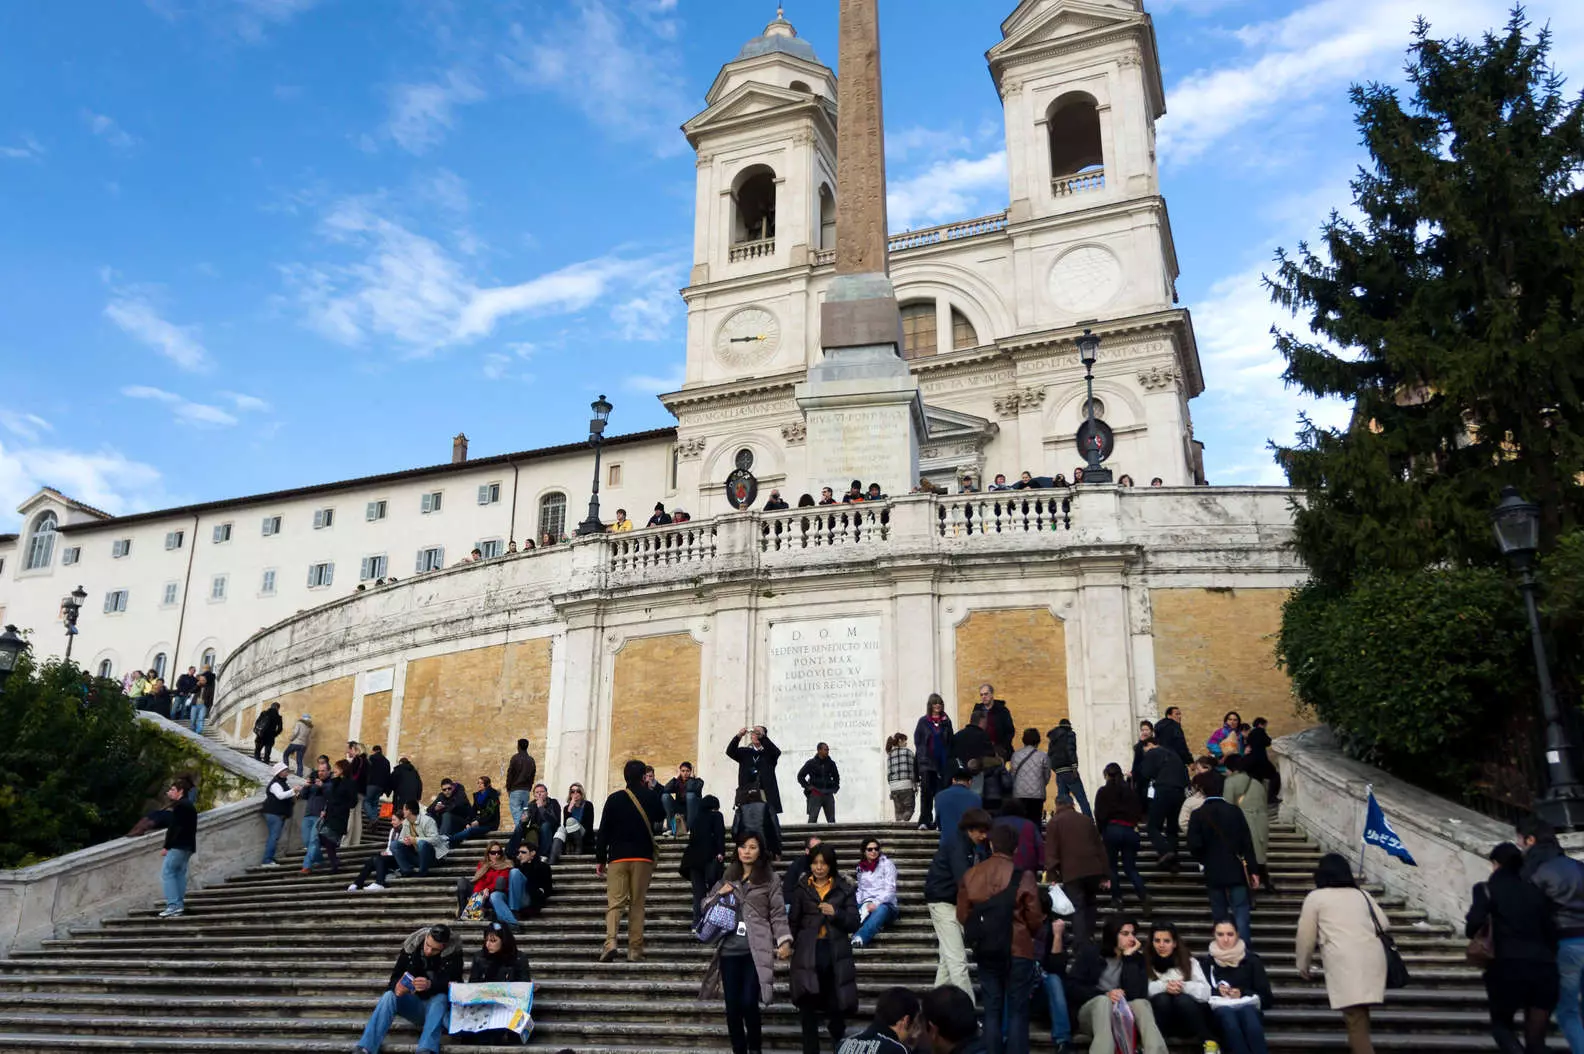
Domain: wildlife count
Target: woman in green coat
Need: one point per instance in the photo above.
(1249, 794)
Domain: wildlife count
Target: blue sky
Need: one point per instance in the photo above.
(251, 244)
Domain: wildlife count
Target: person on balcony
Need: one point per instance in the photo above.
(874, 493)
(775, 504)
(827, 497)
(1000, 482)
(855, 492)
(622, 522)
(661, 518)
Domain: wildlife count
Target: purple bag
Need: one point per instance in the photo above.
(1124, 1030)
(719, 920)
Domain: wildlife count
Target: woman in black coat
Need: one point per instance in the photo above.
(498, 961)
(824, 916)
(703, 861)
(342, 799)
(1523, 975)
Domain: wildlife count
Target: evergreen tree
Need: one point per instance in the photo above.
(1450, 315)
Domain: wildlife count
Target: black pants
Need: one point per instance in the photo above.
(1182, 1016)
(262, 745)
(703, 878)
(1033, 809)
(379, 865)
(1122, 846)
(1163, 827)
(825, 801)
(929, 786)
(1085, 895)
(740, 986)
(826, 1004)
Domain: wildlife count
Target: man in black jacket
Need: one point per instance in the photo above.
(405, 783)
(377, 770)
(625, 848)
(419, 989)
(528, 888)
(1219, 838)
(1165, 777)
(1063, 755)
(959, 851)
(972, 746)
(186, 688)
(1002, 729)
(895, 1013)
(756, 763)
(820, 781)
(265, 729)
(181, 842)
(1169, 734)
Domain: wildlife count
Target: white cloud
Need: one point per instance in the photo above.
(138, 318)
(948, 190)
(421, 114)
(106, 128)
(907, 142)
(30, 150)
(105, 479)
(24, 425)
(182, 409)
(668, 382)
(246, 403)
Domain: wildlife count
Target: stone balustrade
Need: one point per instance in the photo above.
(1065, 186)
(752, 250)
(946, 232)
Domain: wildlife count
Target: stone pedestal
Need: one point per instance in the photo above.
(865, 417)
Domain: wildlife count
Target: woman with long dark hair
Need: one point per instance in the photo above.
(1337, 918)
(1119, 814)
(498, 961)
(1111, 972)
(1240, 991)
(824, 981)
(1178, 991)
(1522, 976)
(932, 743)
(743, 967)
(1228, 739)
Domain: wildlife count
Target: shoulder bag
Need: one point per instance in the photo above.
(1396, 969)
(1481, 951)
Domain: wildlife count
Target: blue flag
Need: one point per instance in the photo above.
(1378, 832)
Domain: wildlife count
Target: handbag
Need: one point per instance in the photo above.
(722, 918)
(1396, 969)
(1481, 951)
(473, 910)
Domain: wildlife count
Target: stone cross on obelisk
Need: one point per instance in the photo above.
(861, 401)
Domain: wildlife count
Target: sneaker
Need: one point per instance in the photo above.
(923, 827)
(353, 888)
(1212, 1047)
(857, 942)
(305, 871)
(172, 913)
(269, 863)
(373, 887)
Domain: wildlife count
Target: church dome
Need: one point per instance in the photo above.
(778, 38)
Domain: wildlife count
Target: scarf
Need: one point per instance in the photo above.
(1229, 958)
(869, 865)
(937, 742)
(1160, 966)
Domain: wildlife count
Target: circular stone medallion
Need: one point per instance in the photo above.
(1085, 278)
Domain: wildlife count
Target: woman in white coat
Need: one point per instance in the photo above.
(1336, 919)
(1178, 991)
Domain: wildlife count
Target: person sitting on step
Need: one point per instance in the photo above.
(577, 824)
(381, 864)
(486, 813)
(429, 963)
(451, 810)
(896, 1012)
(421, 844)
(492, 875)
(876, 886)
(498, 962)
(528, 887)
(544, 815)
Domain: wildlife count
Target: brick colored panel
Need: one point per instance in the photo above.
(1215, 650)
(463, 712)
(655, 704)
(375, 729)
(1023, 653)
(330, 704)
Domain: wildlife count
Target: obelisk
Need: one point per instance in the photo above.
(861, 401)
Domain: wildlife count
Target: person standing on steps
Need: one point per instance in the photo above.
(1337, 918)
(186, 691)
(1561, 879)
(956, 856)
(901, 777)
(1259, 764)
(823, 918)
(406, 784)
(181, 842)
(681, 796)
(756, 763)
(705, 855)
(1075, 856)
(265, 729)
(279, 801)
(896, 1014)
(932, 744)
(1522, 977)
(624, 855)
(1064, 763)
(997, 893)
(520, 773)
(998, 722)
(1165, 778)
(430, 962)
(314, 794)
(1118, 815)
(1030, 773)
(302, 734)
(205, 701)
(339, 803)
(742, 970)
(377, 772)
(1228, 739)
(820, 780)
(1219, 838)
(1135, 774)
(1248, 794)
(1169, 734)
(973, 748)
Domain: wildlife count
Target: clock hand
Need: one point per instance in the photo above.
(744, 340)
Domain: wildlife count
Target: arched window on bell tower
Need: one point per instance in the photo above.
(754, 195)
(1077, 157)
(827, 202)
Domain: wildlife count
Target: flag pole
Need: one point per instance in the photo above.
(1369, 789)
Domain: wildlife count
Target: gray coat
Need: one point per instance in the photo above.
(764, 909)
(1249, 795)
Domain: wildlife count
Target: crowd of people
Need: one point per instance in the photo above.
(190, 699)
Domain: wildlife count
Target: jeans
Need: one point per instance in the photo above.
(179, 706)
(430, 1015)
(470, 831)
(1242, 1029)
(371, 803)
(274, 824)
(199, 713)
(881, 917)
(1056, 999)
(822, 800)
(1072, 783)
(518, 801)
(409, 858)
(516, 897)
(312, 854)
(953, 968)
(687, 809)
(173, 878)
(299, 749)
(1570, 965)
(1122, 846)
(740, 986)
(1006, 1007)
(1232, 902)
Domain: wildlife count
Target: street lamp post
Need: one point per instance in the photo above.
(1094, 471)
(71, 607)
(1517, 524)
(11, 647)
(602, 409)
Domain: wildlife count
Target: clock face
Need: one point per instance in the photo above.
(750, 337)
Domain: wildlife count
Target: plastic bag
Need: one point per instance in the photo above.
(1059, 902)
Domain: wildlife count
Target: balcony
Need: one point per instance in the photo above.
(1078, 183)
(759, 250)
(946, 232)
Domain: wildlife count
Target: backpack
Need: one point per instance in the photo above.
(262, 725)
(988, 931)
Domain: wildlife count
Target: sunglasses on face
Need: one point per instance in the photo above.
(871, 848)
(494, 852)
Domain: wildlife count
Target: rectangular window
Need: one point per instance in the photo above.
(432, 558)
(222, 533)
(373, 567)
(489, 493)
(492, 548)
(267, 586)
(320, 575)
(613, 475)
(323, 518)
(70, 555)
(121, 547)
(272, 525)
(115, 602)
(430, 502)
(217, 587)
(171, 590)
(375, 511)
(174, 539)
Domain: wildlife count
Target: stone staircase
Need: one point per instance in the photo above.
(278, 961)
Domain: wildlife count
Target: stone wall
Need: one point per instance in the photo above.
(330, 705)
(655, 706)
(1023, 653)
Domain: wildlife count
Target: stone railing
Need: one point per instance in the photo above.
(689, 544)
(824, 528)
(752, 250)
(966, 517)
(946, 232)
(1064, 186)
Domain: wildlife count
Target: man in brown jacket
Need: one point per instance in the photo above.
(520, 773)
(1007, 980)
(1075, 856)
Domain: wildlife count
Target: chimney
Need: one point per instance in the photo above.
(459, 449)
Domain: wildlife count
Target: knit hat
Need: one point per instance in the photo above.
(280, 766)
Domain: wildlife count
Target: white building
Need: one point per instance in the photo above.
(991, 307)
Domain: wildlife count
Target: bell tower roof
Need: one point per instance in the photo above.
(779, 37)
